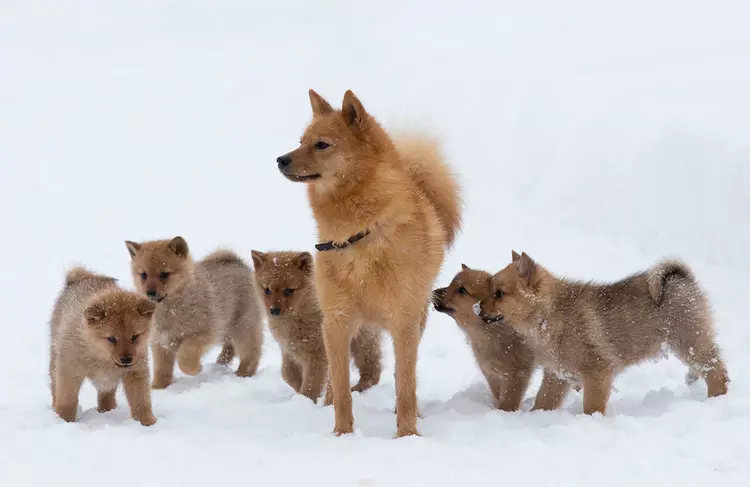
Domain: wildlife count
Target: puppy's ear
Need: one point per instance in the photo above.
(354, 112)
(318, 104)
(465, 267)
(146, 307)
(95, 313)
(133, 248)
(258, 259)
(179, 246)
(514, 255)
(526, 268)
(304, 261)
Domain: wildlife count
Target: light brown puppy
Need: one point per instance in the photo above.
(385, 216)
(199, 305)
(100, 332)
(587, 333)
(286, 280)
(503, 357)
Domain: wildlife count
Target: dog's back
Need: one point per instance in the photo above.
(630, 319)
(233, 288)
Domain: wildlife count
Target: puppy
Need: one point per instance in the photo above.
(587, 332)
(100, 332)
(386, 213)
(295, 321)
(503, 357)
(199, 305)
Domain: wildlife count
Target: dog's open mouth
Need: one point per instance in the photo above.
(442, 308)
(300, 179)
(493, 319)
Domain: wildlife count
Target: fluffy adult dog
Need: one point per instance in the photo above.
(295, 321)
(100, 332)
(587, 332)
(385, 212)
(199, 305)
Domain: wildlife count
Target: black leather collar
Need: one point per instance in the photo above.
(325, 246)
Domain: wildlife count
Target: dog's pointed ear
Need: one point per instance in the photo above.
(526, 268)
(318, 104)
(146, 307)
(179, 246)
(258, 259)
(354, 112)
(304, 261)
(133, 248)
(514, 255)
(95, 313)
(465, 267)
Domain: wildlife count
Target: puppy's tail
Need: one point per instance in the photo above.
(223, 256)
(658, 275)
(77, 274)
(426, 167)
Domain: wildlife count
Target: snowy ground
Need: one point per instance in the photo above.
(596, 138)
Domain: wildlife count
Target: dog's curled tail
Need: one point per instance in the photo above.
(426, 167)
(658, 275)
(77, 274)
(223, 256)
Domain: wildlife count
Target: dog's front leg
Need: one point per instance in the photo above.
(406, 347)
(337, 336)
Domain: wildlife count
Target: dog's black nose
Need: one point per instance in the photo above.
(284, 161)
(151, 294)
(126, 360)
(275, 311)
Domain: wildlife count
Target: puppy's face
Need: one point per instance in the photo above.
(160, 267)
(283, 278)
(117, 325)
(332, 144)
(460, 298)
(514, 294)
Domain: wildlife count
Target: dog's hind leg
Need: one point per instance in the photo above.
(366, 352)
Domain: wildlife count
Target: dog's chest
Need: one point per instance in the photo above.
(104, 380)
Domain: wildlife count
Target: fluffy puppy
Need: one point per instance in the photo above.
(198, 306)
(295, 321)
(588, 332)
(100, 332)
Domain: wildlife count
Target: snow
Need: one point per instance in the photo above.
(596, 137)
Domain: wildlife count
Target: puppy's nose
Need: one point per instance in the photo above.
(126, 360)
(151, 293)
(439, 293)
(284, 161)
(275, 311)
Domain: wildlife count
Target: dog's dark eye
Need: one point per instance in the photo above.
(134, 338)
(462, 290)
(112, 340)
(288, 292)
(164, 276)
(320, 145)
(267, 291)
(499, 294)
(144, 276)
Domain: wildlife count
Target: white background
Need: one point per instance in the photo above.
(598, 138)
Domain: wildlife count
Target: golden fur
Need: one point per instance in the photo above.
(100, 332)
(588, 332)
(294, 318)
(359, 180)
(200, 305)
